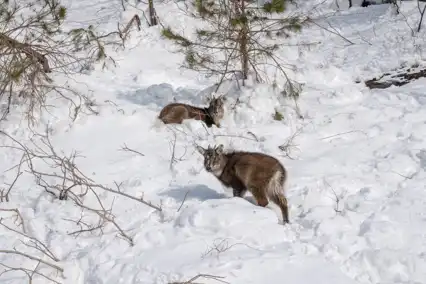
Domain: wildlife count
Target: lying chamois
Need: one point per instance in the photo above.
(177, 112)
(262, 175)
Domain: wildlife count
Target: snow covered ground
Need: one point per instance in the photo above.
(366, 148)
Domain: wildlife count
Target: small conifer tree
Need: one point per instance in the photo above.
(34, 47)
(239, 37)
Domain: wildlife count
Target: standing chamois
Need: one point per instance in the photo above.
(177, 112)
(263, 175)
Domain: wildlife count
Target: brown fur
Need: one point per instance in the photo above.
(177, 112)
(264, 176)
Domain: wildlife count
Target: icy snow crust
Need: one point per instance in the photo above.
(368, 146)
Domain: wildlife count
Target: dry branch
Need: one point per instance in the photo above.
(125, 148)
(173, 158)
(34, 243)
(4, 196)
(153, 17)
(64, 180)
(13, 45)
(105, 216)
(422, 13)
(116, 106)
(337, 198)
(288, 146)
(183, 200)
(236, 136)
(343, 133)
(411, 176)
(206, 276)
(133, 20)
(254, 136)
(29, 272)
(220, 246)
(17, 218)
(16, 252)
(332, 30)
(86, 227)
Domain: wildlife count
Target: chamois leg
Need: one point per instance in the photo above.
(238, 192)
(280, 200)
(260, 197)
(238, 189)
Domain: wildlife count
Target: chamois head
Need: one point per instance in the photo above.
(216, 109)
(214, 159)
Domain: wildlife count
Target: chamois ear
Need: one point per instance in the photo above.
(210, 98)
(222, 97)
(200, 150)
(219, 149)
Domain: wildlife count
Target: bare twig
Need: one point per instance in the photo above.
(173, 146)
(34, 243)
(16, 252)
(125, 148)
(5, 196)
(288, 146)
(28, 272)
(134, 19)
(237, 136)
(183, 201)
(343, 133)
(18, 217)
(119, 192)
(86, 227)
(422, 12)
(206, 276)
(411, 176)
(66, 181)
(337, 198)
(105, 215)
(254, 136)
(222, 245)
(116, 106)
(173, 158)
(333, 31)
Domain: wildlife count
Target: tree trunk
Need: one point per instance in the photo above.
(243, 40)
(244, 52)
(152, 14)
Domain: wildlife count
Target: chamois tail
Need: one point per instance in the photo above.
(276, 190)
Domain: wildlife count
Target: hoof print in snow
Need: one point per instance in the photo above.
(397, 78)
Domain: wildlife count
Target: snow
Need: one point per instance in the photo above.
(365, 147)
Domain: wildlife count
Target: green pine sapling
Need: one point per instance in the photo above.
(237, 37)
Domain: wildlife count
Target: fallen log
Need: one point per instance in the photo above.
(398, 78)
